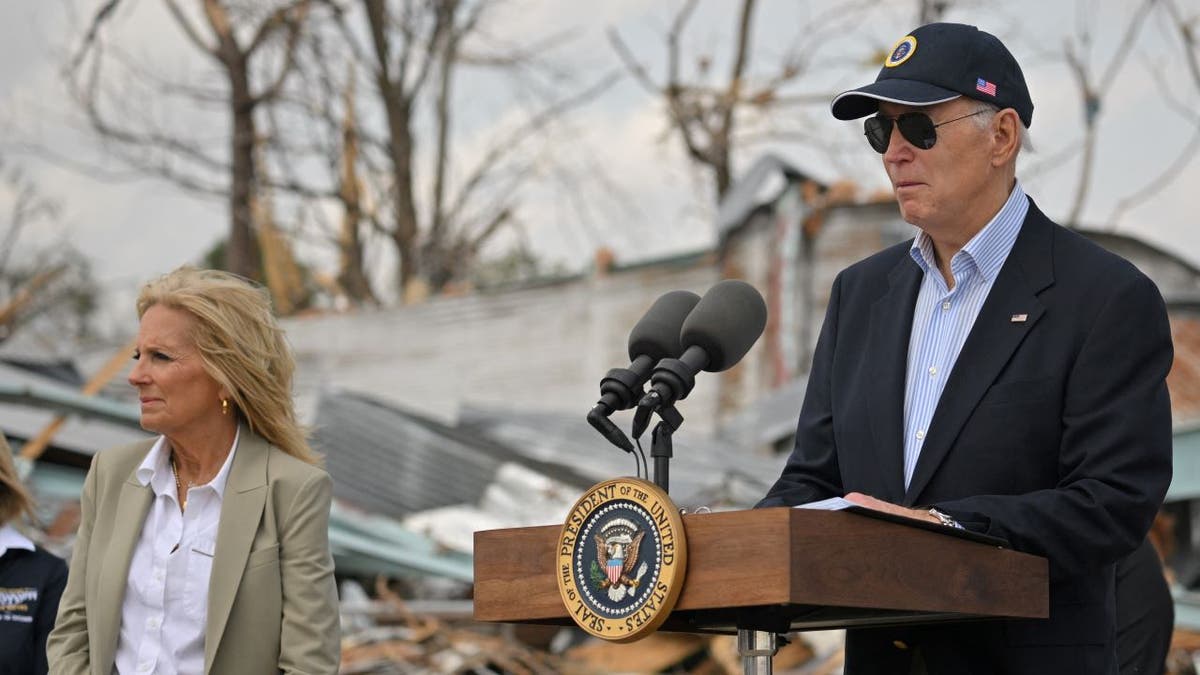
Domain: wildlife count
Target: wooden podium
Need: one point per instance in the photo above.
(779, 569)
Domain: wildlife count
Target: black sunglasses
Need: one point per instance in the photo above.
(915, 127)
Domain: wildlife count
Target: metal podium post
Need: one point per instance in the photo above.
(756, 647)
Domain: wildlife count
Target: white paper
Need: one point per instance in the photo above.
(831, 504)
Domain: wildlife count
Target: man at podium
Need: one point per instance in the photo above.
(998, 373)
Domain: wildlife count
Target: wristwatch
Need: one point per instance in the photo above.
(944, 519)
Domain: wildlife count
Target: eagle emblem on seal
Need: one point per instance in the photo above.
(617, 546)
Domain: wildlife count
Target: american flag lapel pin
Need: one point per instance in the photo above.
(1019, 318)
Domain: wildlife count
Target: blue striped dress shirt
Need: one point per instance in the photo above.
(943, 316)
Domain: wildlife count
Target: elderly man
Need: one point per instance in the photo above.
(997, 373)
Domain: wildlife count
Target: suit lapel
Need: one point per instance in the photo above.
(241, 512)
(887, 352)
(990, 344)
(132, 507)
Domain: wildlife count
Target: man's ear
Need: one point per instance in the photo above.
(1006, 136)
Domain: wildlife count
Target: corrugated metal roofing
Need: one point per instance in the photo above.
(759, 186)
(394, 462)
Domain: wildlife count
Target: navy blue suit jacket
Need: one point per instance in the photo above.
(1053, 433)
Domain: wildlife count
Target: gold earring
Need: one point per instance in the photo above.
(224, 406)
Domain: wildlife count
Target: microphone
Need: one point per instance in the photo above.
(715, 336)
(654, 337)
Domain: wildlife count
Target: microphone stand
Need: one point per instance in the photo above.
(661, 447)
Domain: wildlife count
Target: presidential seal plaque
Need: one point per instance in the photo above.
(622, 554)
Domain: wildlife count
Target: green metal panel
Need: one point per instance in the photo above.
(1185, 482)
(53, 482)
(69, 402)
(1187, 611)
(370, 544)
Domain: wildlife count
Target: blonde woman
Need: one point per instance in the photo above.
(31, 581)
(205, 550)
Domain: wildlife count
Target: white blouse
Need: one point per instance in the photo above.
(166, 593)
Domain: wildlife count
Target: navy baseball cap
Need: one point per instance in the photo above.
(939, 62)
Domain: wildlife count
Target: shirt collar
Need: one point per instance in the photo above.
(155, 469)
(989, 248)
(11, 538)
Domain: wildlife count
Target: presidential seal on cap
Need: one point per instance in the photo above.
(622, 555)
(940, 62)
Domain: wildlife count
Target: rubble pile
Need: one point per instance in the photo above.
(394, 640)
(1184, 657)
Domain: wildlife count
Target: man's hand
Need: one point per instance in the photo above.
(887, 507)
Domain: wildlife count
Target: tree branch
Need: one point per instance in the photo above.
(631, 63)
(294, 27)
(1189, 40)
(190, 31)
(446, 57)
(1175, 168)
(93, 33)
(739, 68)
(535, 124)
(674, 90)
(1161, 181)
(279, 19)
(1121, 54)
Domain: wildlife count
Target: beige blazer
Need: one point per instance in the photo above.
(272, 603)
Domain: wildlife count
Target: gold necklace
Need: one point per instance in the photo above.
(179, 485)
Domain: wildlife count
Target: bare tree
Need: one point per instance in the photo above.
(1093, 87)
(715, 120)
(1095, 74)
(351, 275)
(251, 47)
(415, 53)
(312, 151)
(703, 117)
(1184, 28)
(45, 285)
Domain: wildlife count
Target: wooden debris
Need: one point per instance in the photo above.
(469, 648)
(656, 653)
(403, 641)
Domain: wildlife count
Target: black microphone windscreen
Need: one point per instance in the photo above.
(657, 333)
(725, 323)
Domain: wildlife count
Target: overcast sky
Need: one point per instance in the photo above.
(135, 228)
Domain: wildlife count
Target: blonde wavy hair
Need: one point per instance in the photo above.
(14, 498)
(241, 346)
